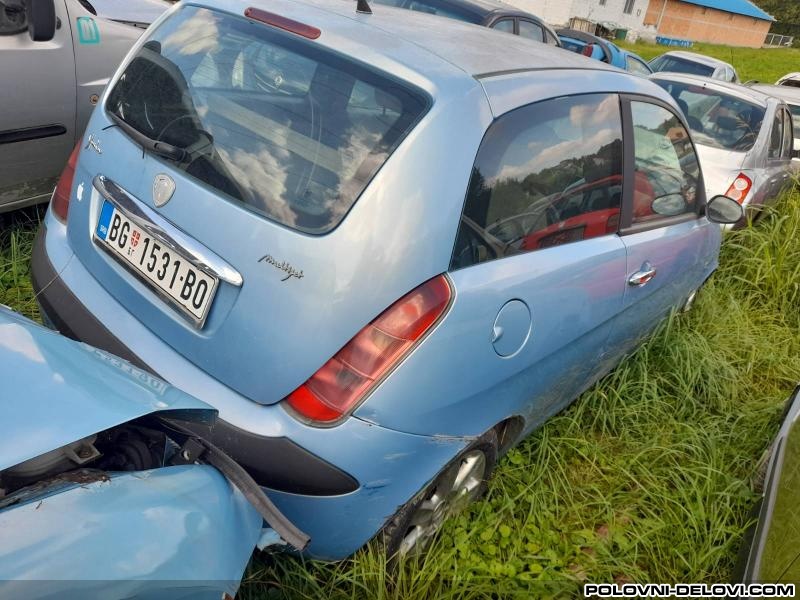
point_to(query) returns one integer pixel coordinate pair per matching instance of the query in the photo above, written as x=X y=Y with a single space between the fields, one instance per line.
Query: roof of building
x=738 y=7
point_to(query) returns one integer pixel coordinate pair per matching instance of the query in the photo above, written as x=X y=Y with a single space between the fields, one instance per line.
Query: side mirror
x=41 y=17
x=724 y=210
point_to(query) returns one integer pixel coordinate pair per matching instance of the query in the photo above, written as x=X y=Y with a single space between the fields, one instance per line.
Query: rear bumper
x=298 y=472
x=339 y=484
x=62 y=310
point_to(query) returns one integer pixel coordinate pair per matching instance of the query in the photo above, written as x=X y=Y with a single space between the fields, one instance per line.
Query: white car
x=789 y=80
x=692 y=63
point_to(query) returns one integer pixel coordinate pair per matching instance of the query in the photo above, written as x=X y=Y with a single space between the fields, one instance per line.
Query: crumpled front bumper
x=175 y=532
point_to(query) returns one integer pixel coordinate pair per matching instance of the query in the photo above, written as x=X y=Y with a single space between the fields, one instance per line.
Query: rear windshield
x=716 y=119
x=274 y=122
x=673 y=64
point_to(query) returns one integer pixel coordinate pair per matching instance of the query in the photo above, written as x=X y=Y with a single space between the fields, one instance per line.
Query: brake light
x=740 y=188
x=341 y=383
x=290 y=25
x=60 y=200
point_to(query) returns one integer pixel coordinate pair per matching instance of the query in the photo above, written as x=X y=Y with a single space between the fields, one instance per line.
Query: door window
x=636 y=66
x=667 y=172
x=788 y=138
x=12 y=17
x=506 y=25
x=546 y=174
x=530 y=30
x=776 y=136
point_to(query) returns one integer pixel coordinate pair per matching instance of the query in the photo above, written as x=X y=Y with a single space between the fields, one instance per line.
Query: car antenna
x=362 y=7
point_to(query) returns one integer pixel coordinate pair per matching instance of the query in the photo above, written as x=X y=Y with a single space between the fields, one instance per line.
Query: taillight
x=740 y=188
x=60 y=200
x=341 y=383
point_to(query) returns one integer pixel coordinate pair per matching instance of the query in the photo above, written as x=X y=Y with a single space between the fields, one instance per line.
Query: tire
x=416 y=523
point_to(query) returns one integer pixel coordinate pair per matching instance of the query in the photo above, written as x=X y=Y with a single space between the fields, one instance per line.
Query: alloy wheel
x=455 y=488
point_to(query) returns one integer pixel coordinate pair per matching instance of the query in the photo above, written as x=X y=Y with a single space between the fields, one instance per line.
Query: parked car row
x=383 y=257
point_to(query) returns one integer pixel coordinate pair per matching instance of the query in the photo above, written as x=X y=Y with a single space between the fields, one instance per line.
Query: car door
x=538 y=267
x=671 y=248
x=37 y=120
x=779 y=156
x=100 y=45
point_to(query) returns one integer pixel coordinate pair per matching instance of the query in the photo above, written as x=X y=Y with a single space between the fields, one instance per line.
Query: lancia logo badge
x=163 y=188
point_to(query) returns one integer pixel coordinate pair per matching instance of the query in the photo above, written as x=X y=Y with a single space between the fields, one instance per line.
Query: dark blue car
x=601 y=49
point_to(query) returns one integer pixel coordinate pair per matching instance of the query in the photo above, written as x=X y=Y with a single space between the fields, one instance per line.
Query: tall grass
x=647 y=477
x=17 y=232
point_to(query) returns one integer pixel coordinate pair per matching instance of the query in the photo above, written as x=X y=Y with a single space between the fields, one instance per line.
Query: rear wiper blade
x=164 y=149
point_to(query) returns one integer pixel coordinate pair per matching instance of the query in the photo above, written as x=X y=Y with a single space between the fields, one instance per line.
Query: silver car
x=744 y=137
x=693 y=63
x=56 y=56
x=790 y=95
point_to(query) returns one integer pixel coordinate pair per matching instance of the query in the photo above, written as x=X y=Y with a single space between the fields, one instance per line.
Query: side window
x=776 y=136
x=530 y=30
x=667 y=172
x=506 y=25
x=551 y=39
x=12 y=17
x=637 y=66
x=546 y=174
x=788 y=137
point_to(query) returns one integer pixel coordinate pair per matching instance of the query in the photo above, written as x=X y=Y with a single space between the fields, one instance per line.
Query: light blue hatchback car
x=383 y=255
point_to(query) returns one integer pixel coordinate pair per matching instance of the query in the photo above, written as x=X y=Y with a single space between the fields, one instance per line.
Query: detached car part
x=104 y=492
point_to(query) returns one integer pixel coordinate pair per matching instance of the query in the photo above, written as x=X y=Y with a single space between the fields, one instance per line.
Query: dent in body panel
x=141 y=532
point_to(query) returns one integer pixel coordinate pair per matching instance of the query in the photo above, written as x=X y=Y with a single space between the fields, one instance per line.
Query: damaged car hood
x=55 y=391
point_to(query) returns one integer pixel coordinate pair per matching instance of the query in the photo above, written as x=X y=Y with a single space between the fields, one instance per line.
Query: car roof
x=732 y=89
x=401 y=36
x=485 y=7
x=784 y=92
x=698 y=58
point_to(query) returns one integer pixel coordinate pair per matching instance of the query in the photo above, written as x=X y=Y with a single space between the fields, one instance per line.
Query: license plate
x=158 y=265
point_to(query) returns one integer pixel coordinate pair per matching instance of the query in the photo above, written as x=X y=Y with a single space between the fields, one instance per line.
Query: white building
x=626 y=14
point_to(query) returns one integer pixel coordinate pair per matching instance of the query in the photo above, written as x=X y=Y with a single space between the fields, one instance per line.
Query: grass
x=17 y=231
x=763 y=64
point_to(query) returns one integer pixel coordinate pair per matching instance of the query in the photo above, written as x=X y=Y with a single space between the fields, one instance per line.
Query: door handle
x=644 y=275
